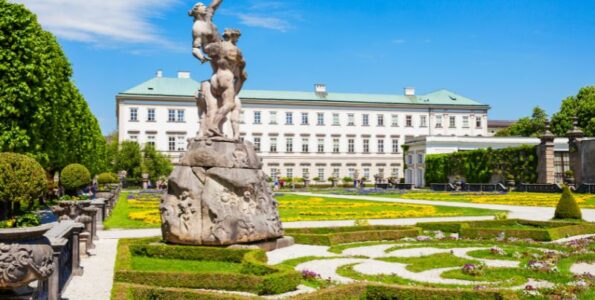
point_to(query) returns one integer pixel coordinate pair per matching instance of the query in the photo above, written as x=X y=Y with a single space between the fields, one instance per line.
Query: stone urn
x=25 y=256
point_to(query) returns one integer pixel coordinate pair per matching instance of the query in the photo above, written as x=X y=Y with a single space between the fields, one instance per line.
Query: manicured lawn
x=514 y=198
x=142 y=210
x=304 y=208
x=140 y=263
x=436 y=261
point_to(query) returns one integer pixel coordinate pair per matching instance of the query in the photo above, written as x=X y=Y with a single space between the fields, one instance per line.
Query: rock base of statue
x=268 y=245
x=218 y=195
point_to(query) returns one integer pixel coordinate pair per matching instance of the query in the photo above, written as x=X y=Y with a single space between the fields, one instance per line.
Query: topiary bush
x=107 y=178
x=74 y=177
x=22 y=181
x=567 y=207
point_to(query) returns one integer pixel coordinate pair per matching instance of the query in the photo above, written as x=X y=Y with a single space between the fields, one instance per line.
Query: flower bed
x=520 y=229
x=255 y=275
x=340 y=235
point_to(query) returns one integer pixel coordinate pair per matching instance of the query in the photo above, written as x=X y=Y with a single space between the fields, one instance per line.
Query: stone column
x=574 y=156
x=545 y=166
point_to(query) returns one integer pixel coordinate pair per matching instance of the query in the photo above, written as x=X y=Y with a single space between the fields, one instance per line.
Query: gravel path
x=297 y=251
x=582 y=268
x=515 y=212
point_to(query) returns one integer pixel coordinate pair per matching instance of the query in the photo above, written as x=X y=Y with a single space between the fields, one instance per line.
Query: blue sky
x=512 y=55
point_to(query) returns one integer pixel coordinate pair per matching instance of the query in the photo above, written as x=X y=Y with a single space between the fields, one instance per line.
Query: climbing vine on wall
x=478 y=166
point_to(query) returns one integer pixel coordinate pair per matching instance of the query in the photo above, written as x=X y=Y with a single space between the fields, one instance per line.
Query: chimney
x=183 y=74
x=409 y=91
x=320 y=89
x=159 y=73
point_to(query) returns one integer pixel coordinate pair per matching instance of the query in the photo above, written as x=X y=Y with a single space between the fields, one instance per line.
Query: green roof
x=163 y=86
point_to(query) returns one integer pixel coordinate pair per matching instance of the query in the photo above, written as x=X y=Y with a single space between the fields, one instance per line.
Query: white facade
x=418 y=148
x=324 y=137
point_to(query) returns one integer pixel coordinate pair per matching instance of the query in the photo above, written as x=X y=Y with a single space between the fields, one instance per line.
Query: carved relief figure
x=186 y=211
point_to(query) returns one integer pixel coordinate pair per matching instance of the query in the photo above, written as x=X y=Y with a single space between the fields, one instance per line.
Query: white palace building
x=318 y=132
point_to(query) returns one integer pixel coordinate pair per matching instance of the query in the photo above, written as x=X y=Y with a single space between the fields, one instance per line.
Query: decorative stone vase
x=25 y=256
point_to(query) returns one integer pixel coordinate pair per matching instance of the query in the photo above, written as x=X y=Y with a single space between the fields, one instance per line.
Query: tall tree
x=582 y=106
x=527 y=126
x=129 y=159
x=155 y=163
x=41 y=111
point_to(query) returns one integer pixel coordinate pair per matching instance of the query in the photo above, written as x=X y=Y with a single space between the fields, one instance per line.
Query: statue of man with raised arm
x=204 y=30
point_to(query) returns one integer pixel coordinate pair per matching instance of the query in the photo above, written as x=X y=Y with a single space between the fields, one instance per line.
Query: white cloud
x=102 y=22
x=256 y=20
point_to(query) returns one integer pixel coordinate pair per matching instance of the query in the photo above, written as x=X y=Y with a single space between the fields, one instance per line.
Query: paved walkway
x=97 y=280
x=516 y=212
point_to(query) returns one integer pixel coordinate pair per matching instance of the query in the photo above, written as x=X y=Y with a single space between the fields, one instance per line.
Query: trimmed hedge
x=74 y=177
x=340 y=235
x=567 y=207
x=542 y=231
x=124 y=291
x=478 y=166
x=107 y=178
x=256 y=276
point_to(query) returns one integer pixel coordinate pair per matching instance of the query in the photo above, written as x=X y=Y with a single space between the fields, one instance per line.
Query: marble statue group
x=218 y=96
x=217 y=193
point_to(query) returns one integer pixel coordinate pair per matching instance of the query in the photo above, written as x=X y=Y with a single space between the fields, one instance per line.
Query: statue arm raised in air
x=214 y=5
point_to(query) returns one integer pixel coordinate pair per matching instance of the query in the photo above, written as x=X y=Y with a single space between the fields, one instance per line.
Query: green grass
x=510 y=276
x=141 y=263
x=435 y=261
x=308 y=208
x=303 y=208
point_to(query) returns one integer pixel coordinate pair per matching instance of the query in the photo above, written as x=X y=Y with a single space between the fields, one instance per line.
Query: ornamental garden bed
x=522 y=229
x=339 y=235
x=151 y=263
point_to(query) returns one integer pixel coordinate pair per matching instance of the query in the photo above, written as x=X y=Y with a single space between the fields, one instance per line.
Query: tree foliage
x=42 y=113
x=478 y=166
x=75 y=177
x=155 y=163
x=527 y=126
x=582 y=106
x=22 y=181
x=129 y=159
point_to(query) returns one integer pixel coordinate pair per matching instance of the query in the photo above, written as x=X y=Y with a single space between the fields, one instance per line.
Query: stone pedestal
x=545 y=165
x=218 y=195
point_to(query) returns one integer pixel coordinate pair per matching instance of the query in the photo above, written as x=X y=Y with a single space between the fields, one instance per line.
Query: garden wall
x=478 y=166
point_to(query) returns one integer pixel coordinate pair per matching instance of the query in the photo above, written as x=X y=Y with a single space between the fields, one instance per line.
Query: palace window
x=305 y=118
x=289 y=145
x=366 y=145
x=305 y=172
x=452 y=122
x=336 y=172
x=365 y=120
x=380 y=146
x=351 y=172
x=151 y=115
x=395 y=145
x=288 y=118
x=133 y=138
x=408 y=121
x=274 y=173
x=367 y=173
x=350 y=120
x=257 y=144
x=336 y=120
x=320 y=118
x=151 y=140
x=321 y=174
x=289 y=172
x=181 y=143
x=478 y=122
x=423 y=121
x=380 y=120
x=134 y=114
x=257 y=119
x=394 y=120
x=181 y=115
x=420 y=158
x=273 y=148
x=171 y=143
x=273 y=117
x=394 y=172
x=351 y=145
x=336 y=145
x=465 y=121
x=305 y=145
x=320 y=146
x=171 y=115
x=438 y=121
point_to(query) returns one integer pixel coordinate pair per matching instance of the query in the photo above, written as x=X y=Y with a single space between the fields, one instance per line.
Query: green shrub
x=340 y=235
x=107 y=178
x=74 y=177
x=22 y=181
x=478 y=166
x=567 y=207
